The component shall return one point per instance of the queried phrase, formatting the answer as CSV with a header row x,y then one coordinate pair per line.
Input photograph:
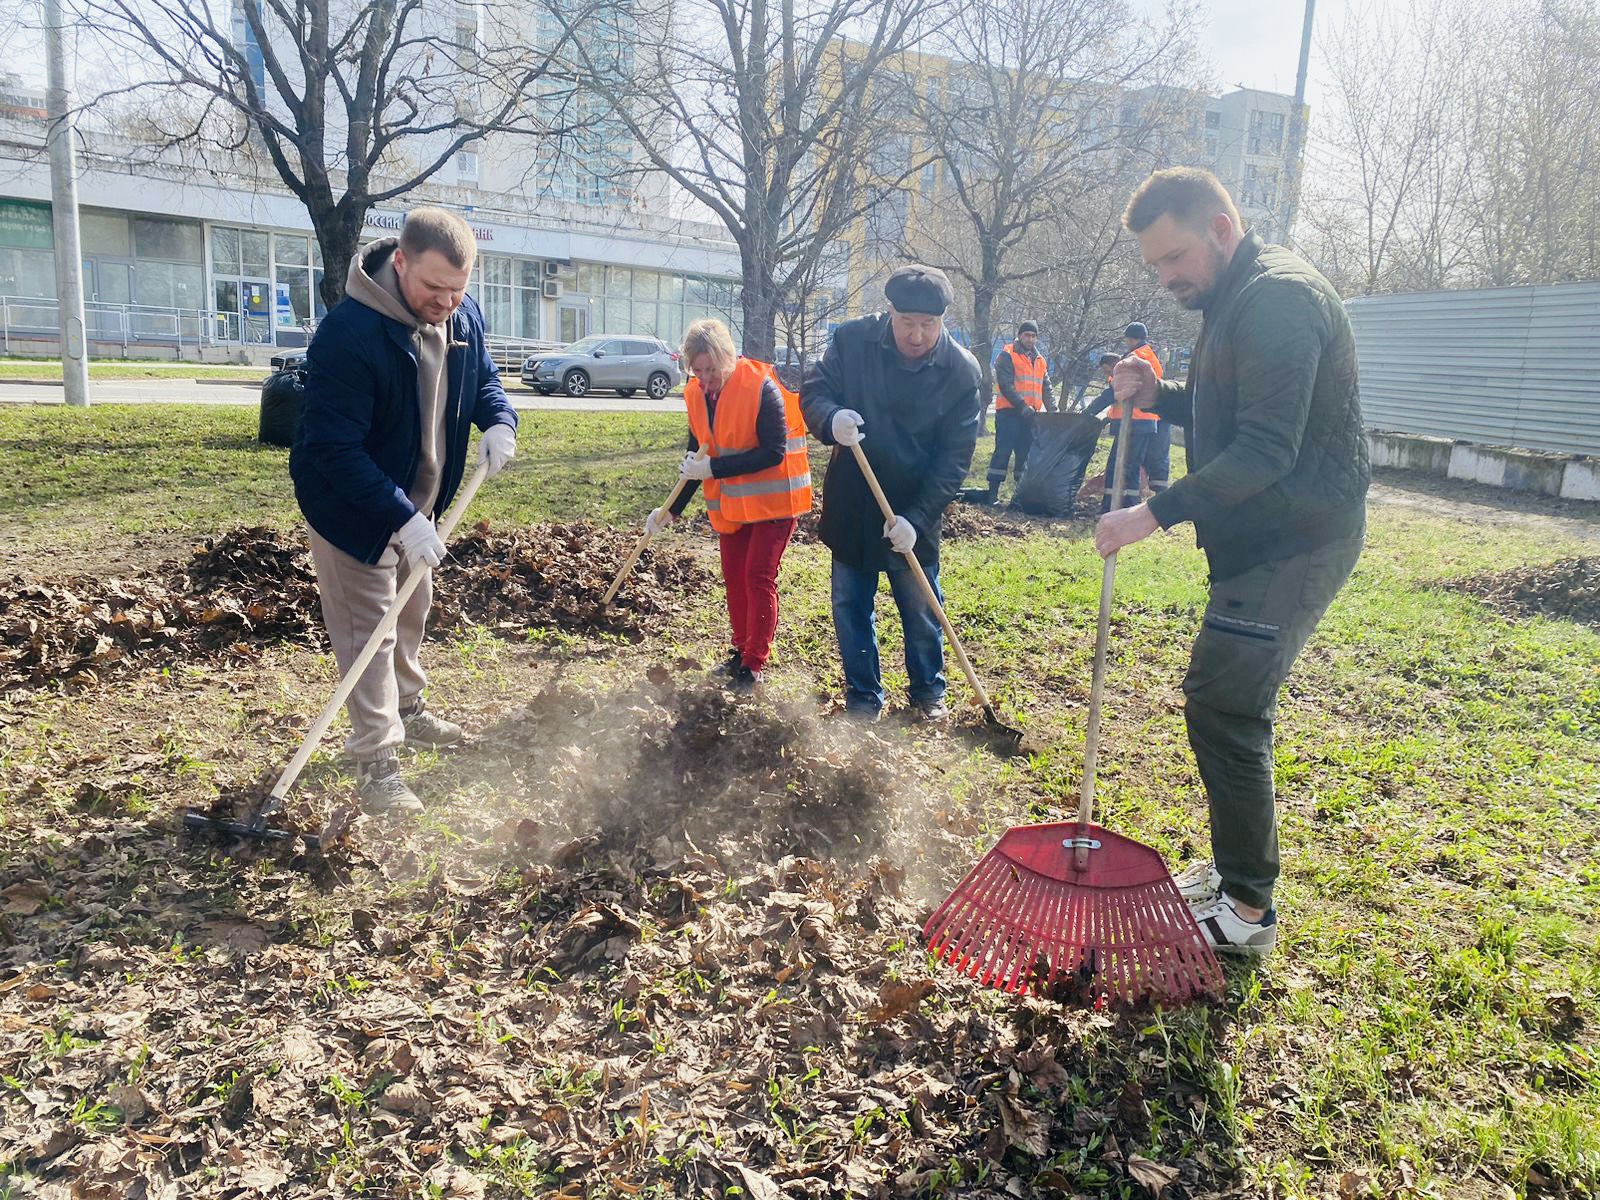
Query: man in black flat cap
x,y
901,387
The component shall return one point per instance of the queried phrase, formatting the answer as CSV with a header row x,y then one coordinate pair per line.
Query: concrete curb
x,y
1569,476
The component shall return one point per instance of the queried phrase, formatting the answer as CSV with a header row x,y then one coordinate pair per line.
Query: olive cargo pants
x,y
1255,626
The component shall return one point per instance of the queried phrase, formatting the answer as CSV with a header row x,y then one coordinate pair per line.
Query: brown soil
x,y
720,988
1568,590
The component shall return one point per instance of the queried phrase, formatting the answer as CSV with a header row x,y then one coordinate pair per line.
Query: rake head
x,y
1027,918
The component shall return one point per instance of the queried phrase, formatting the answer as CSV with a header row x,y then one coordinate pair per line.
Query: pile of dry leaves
x,y
555,575
1568,589
255,587
669,947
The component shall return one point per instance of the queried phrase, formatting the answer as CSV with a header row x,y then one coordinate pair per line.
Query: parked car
x,y
619,363
289,360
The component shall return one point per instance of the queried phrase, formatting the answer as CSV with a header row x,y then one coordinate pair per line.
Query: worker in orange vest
x,y
1150,445
1021,390
757,480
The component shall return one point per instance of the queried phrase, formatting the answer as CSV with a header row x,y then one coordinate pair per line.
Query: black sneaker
x,y
726,668
935,710
743,679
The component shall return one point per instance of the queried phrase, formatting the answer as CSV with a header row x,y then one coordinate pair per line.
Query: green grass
x,y
24,368
1439,771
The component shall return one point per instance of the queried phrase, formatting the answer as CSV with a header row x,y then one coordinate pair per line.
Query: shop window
x,y
225,251
104,235
290,250
644,285
174,241
253,251
617,283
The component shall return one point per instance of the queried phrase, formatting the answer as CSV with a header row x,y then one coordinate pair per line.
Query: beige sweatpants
x,y
354,599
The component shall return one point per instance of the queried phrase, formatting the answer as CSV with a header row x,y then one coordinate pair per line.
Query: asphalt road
x,y
189,391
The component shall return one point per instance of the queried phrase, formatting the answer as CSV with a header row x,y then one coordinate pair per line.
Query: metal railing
x,y
508,352
34,318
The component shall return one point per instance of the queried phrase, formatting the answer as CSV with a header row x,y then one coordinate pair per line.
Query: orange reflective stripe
x,y
780,491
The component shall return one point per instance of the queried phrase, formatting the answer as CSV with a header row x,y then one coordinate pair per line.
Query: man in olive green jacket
x,y
1276,490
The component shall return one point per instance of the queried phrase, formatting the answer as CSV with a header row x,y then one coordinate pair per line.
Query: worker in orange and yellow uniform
x,y
757,478
1021,390
1150,447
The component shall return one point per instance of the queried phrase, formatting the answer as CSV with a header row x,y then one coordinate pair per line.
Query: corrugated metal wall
x,y
1496,366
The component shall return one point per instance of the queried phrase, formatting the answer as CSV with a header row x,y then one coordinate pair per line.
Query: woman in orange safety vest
x,y
757,479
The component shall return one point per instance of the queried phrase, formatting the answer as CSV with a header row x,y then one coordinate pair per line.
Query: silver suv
x,y
619,363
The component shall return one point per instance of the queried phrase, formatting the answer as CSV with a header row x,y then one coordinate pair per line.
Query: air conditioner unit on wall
x,y
552,290
552,268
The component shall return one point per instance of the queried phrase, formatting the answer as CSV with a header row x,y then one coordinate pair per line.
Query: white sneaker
x,y
1199,883
1228,932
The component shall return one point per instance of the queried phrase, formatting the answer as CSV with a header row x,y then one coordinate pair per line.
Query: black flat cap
x,y
919,289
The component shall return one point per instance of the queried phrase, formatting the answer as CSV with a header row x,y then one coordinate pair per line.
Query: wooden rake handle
x,y
1102,638
644,538
928,593
319,727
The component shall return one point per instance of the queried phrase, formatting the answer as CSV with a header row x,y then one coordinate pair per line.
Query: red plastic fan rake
x,y
1071,909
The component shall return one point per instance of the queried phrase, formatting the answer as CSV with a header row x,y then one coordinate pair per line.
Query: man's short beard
x,y
1203,299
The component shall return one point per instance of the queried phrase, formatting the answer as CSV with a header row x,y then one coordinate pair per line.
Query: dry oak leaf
x,y
25,898
896,999
1155,1176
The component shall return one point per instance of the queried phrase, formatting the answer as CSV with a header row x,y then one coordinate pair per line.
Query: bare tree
x,y
1460,146
1043,100
352,103
760,111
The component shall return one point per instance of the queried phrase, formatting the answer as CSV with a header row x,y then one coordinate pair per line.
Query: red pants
x,y
750,561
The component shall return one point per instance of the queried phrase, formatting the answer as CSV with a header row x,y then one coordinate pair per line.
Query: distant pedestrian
x,y
1149,444
1021,391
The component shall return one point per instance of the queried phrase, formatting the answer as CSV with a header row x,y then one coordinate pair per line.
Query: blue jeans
x,y
856,624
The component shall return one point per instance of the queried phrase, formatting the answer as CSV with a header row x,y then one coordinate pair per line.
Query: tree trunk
x,y
982,344
759,306
338,236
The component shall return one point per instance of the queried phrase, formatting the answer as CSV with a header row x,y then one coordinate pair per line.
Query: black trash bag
x,y
283,398
1063,444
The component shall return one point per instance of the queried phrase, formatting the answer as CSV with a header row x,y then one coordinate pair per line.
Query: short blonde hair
x,y
709,336
430,228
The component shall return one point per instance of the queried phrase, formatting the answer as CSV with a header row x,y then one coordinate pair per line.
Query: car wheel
x,y
658,386
626,392
576,383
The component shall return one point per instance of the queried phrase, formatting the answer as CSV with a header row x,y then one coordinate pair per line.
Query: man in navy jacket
x,y
398,376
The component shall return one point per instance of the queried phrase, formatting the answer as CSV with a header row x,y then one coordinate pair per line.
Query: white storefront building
x,y
177,257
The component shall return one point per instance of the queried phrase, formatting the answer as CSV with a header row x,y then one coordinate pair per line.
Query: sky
x,y
1253,43
1256,43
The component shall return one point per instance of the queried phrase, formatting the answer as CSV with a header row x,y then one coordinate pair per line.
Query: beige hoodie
x,y
373,282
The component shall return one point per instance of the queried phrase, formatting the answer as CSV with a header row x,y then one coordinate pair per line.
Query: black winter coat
x,y
920,428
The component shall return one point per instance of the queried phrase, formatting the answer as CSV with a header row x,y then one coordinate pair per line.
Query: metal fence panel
x,y
1494,366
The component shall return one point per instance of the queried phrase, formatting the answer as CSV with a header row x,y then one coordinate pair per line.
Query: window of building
x,y
1213,119
292,265
508,290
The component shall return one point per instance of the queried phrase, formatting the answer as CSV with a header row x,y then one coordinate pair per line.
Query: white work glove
x,y
902,536
658,520
846,427
497,447
695,467
420,542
